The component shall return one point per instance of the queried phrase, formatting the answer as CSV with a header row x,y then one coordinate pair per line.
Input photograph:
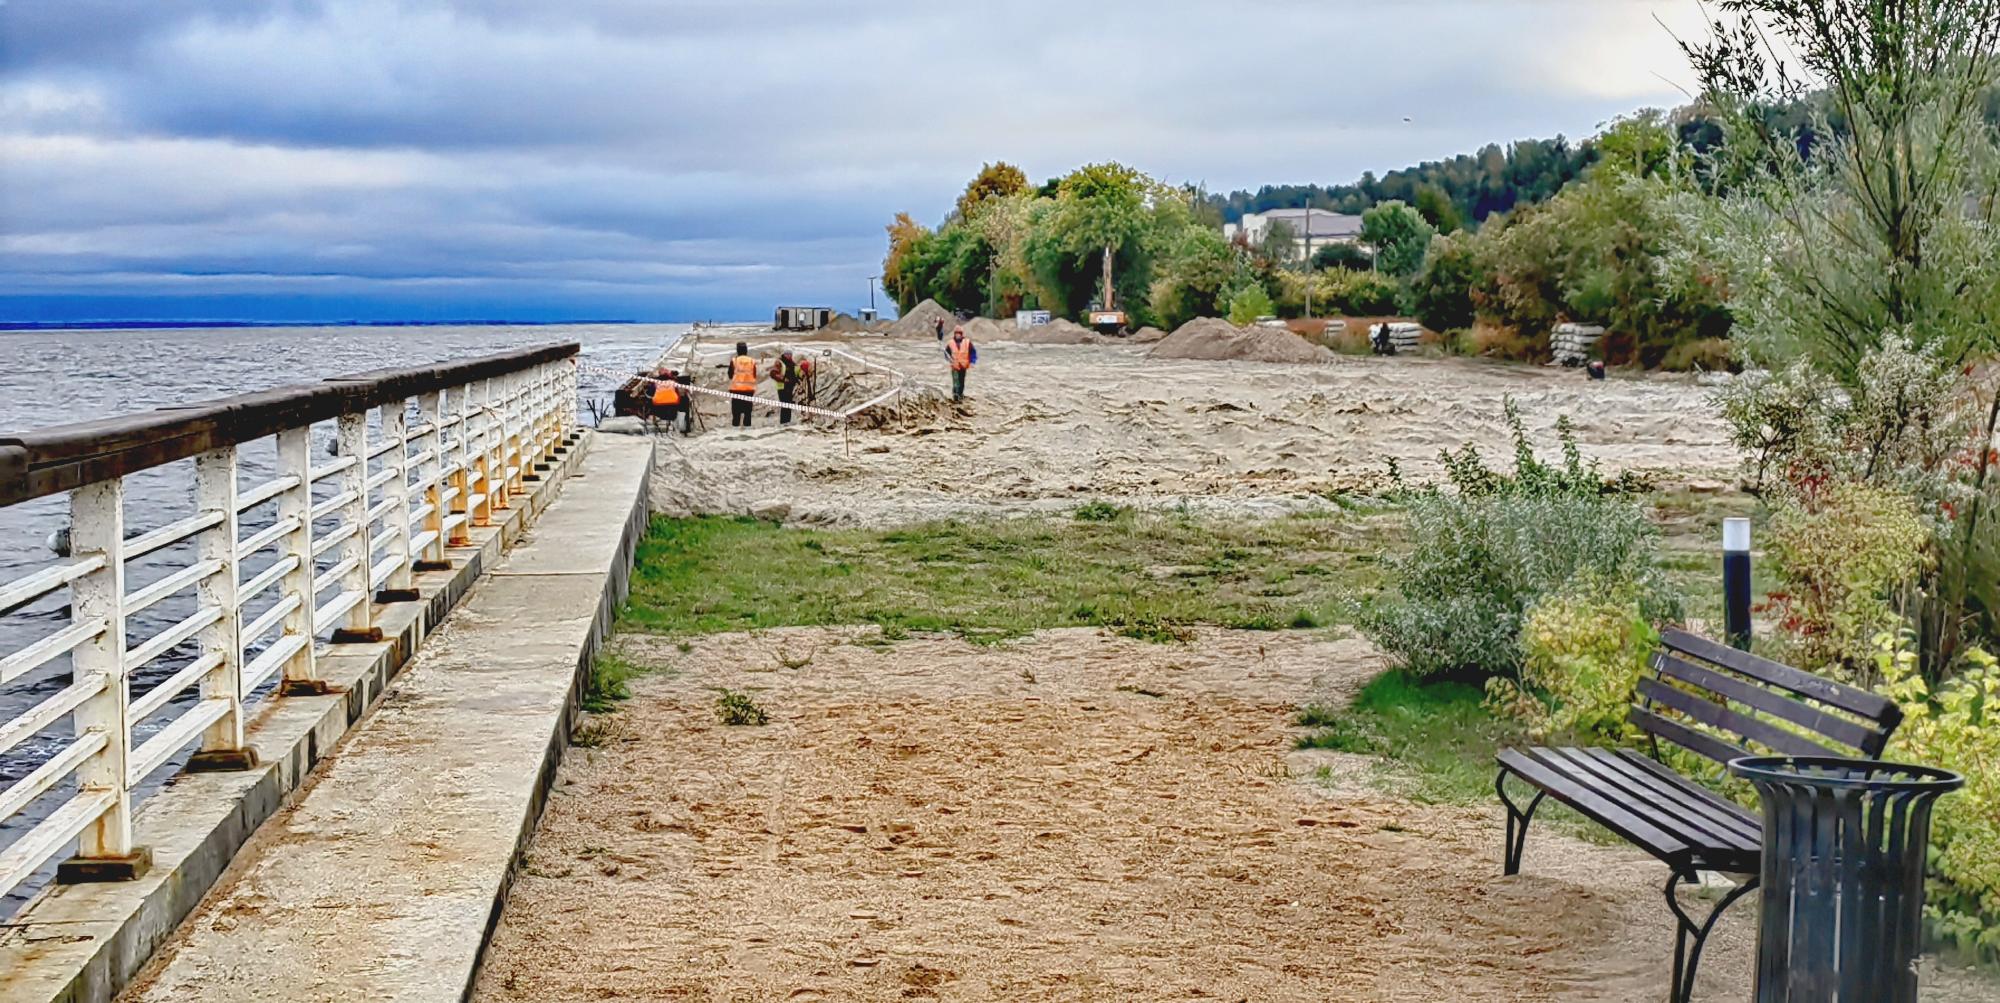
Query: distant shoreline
x,y
148,325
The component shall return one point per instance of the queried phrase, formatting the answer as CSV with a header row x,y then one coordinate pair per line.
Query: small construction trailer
x,y
802,318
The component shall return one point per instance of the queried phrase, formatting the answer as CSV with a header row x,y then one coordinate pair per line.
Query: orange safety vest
x,y
743,375
665,393
961,353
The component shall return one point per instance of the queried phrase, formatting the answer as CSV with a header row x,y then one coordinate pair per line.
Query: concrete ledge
x,y
86,942
383,879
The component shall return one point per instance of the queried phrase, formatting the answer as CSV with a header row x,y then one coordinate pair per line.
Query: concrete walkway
x,y
382,881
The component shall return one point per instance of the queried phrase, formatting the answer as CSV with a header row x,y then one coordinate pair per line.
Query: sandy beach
x,y
1045,427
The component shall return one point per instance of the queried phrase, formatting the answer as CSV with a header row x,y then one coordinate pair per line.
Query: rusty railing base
x,y
96,870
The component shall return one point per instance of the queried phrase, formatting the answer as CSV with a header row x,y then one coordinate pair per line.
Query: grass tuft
x,y
738,710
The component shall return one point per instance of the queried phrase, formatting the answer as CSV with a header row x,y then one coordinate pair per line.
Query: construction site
x,y
870,733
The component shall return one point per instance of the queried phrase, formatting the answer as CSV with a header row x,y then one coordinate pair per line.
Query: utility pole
x,y
1309,259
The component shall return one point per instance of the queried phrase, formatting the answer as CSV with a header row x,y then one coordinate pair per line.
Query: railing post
x,y
97,528
430,408
222,745
479,510
301,676
520,392
396,490
351,432
499,404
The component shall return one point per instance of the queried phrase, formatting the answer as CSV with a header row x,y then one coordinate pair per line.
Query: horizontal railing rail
x,y
237,596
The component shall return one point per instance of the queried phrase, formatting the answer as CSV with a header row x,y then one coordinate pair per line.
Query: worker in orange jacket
x,y
960,351
669,400
742,381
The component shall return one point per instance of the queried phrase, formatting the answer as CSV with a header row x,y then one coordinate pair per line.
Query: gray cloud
x,y
710,151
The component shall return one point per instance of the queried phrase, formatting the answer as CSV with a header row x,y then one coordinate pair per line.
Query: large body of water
x,y
57,377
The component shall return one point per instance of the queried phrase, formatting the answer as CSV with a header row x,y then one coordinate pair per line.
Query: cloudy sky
x,y
687,159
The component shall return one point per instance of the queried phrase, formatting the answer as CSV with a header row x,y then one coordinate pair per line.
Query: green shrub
x,y
1250,303
737,709
1583,650
1711,355
1838,550
1496,543
1955,725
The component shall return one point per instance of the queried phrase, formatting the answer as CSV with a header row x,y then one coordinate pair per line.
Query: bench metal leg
x,y
1517,823
1689,936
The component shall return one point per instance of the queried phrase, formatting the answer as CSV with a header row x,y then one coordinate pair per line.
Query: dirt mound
x,y
1147,335
1208,338
985,329
1058,332
922,321
843,323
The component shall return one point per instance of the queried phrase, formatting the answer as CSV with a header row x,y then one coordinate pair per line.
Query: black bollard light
x,y
1736,582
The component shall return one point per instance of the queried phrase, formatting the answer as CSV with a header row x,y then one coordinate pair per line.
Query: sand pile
x,y
1211,339
1147,335
922,321
843,323
985,329
1058,332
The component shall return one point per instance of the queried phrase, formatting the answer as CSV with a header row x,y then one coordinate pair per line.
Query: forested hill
x,y
1468,187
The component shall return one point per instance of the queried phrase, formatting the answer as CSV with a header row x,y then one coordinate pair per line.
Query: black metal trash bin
x,y
1842,883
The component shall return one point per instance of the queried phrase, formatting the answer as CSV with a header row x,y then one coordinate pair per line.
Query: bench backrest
x,y
1710,699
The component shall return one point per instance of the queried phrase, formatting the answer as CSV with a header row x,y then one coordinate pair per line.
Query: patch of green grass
x,y
609,676
1437,734
1146,575
1100,511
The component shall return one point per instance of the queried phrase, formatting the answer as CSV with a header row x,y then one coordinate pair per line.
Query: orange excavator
x,y
1105,317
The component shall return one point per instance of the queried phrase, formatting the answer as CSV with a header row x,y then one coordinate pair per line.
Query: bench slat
x,y
1869,740
1848,698
1717,715
1684,736
1618,819
1671,807
1750,820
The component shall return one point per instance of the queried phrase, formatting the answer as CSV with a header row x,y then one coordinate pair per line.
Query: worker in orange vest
x,y
669,402
963,356
742,380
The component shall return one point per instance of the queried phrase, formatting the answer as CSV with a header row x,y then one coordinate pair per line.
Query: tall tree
x,y
996,180
1876,219
1399,234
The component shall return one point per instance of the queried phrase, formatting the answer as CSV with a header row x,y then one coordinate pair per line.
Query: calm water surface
x,y
56,377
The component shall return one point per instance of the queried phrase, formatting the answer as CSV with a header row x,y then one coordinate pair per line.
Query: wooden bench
x,y
1714,701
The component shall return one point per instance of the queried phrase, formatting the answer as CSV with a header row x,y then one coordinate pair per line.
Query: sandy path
x,y
1072,817
1048,425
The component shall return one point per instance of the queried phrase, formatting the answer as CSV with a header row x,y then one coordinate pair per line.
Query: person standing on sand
x,y
785,373
963,356
742,380
940,328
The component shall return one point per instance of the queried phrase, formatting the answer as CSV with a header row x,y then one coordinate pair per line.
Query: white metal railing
x,y
242,590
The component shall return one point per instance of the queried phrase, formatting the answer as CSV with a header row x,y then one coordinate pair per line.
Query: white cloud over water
x,y
704,158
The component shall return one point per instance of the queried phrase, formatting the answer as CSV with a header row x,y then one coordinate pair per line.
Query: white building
x,y
1317,227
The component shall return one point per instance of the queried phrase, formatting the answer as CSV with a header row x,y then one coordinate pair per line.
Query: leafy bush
x,y
1497,543
1955,725
738,710
1250,303
1442,292
1583,650
1838,550
1358,294
1712,355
